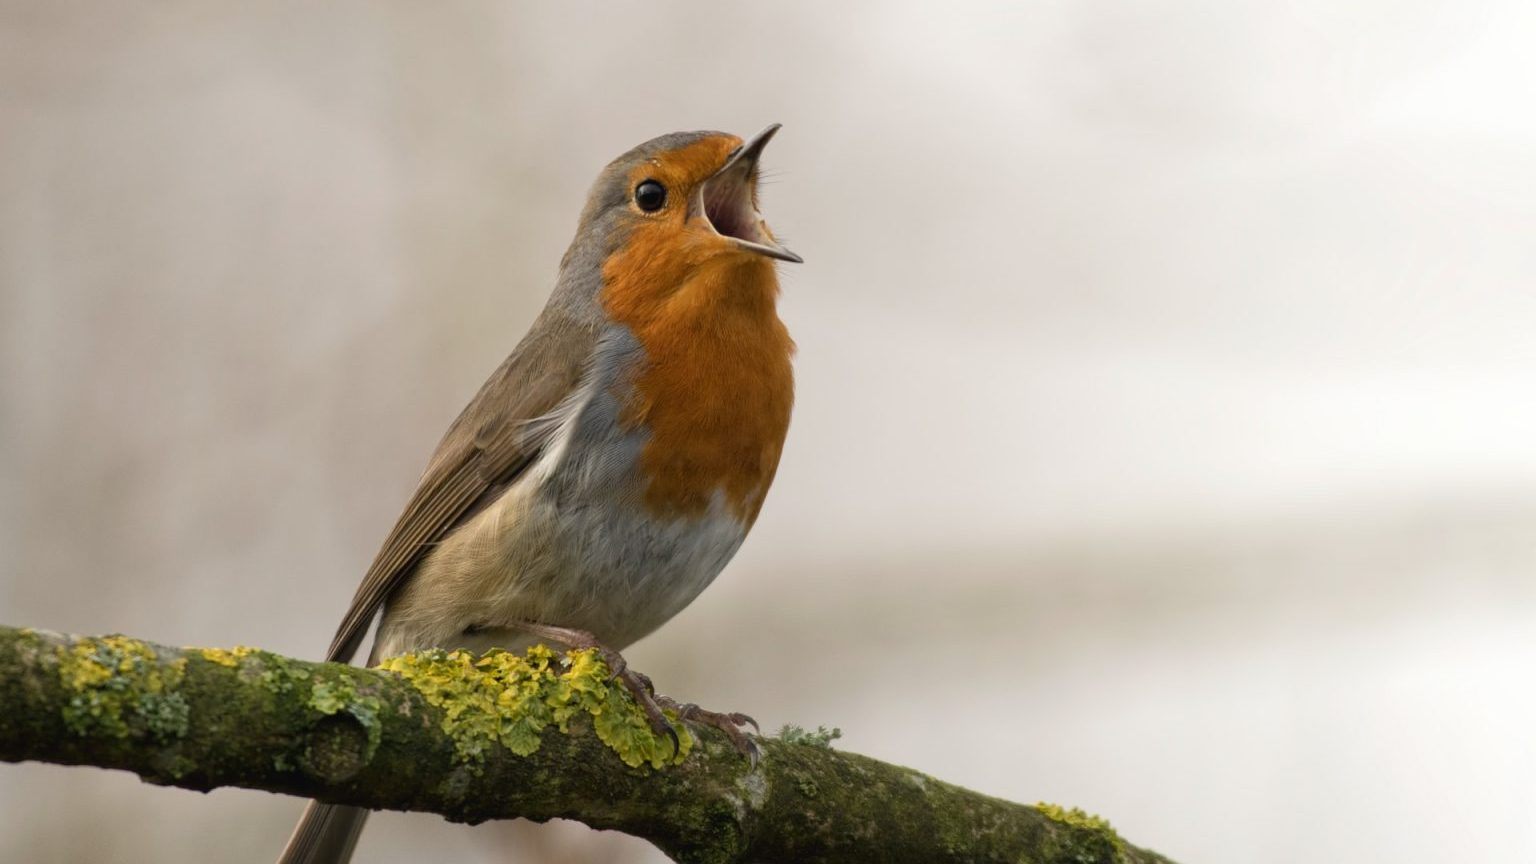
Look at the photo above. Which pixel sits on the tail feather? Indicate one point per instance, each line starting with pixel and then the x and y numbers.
pixel 326 834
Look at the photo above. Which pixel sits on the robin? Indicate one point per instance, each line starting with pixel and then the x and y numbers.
pixel 609 469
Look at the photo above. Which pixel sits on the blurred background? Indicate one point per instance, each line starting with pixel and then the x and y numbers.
pixel 1165 442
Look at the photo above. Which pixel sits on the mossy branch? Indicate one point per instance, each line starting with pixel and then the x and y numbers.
pixel 537 736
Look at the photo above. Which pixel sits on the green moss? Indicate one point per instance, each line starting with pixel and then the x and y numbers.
pixel 120 687
pixel 822 737
pixel 807 785
pixel 500 699
pixel 339 696
pixel 1087 839
pixel 280 676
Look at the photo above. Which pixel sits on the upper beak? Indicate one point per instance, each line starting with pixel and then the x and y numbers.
pixel 728 201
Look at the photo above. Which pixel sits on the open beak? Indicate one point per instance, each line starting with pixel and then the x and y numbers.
pixel 728 201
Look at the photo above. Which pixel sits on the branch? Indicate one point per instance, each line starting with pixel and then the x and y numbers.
pixel 501 736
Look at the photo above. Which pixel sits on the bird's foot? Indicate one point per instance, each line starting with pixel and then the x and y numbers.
pixel 638 685
pixel 644 693
pixel 640 689
pixel 731 723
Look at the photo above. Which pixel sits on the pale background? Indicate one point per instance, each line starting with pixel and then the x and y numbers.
pixel 1165 445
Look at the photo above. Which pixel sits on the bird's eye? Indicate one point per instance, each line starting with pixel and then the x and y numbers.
pixel 650 195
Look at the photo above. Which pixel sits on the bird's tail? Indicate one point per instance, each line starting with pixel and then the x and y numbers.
pixel 325 834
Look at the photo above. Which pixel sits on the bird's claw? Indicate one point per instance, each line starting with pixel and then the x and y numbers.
pixel 729 723
pixel 644 694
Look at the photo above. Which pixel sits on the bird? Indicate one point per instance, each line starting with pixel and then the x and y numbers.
pixel 609 469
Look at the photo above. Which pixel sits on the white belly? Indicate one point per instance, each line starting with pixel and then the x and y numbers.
pixel 585 556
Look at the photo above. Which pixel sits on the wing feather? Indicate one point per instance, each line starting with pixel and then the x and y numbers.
pixel 498 435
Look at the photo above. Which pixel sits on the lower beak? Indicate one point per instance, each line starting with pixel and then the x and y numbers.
pixel 728 200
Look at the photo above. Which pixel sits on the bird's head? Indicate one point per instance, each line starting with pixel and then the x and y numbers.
pixel 676 209
pixel 695 188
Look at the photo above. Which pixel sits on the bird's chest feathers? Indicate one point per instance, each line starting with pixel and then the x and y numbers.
pixel 714 388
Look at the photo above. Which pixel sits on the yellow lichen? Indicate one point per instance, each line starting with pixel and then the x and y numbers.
pixel 506 699
pixel 83 669
pixel 1091 837
pixel 120 687
pixel 1075 817
pixel 226 657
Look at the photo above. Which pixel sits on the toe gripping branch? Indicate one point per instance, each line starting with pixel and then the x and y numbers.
pixel 644 693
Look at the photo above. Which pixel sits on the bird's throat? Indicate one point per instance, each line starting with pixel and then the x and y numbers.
pixel 715 387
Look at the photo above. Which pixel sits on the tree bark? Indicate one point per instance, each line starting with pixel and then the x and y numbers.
pixel 537 736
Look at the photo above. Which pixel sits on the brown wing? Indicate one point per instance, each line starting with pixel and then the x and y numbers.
pixel 498 435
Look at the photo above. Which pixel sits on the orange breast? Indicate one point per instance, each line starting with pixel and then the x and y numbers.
pixel 716 391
